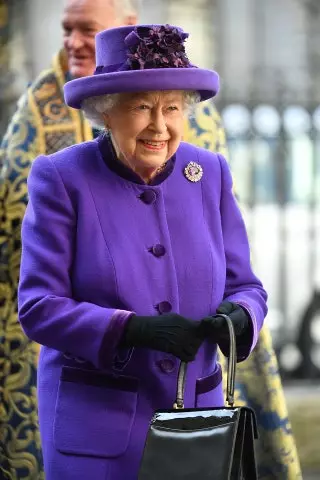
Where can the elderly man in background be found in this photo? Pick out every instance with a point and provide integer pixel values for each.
(43, 124)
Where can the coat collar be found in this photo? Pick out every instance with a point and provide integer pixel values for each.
(109, 157)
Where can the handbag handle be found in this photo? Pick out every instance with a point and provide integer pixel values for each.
(232, 361)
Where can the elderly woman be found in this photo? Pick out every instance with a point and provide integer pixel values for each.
(131, 244)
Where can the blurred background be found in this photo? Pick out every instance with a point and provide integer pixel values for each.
(267, 53)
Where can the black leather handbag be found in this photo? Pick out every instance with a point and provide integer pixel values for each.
(202, 444)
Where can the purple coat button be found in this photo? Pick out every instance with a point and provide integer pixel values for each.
(148, 196)
(158, 250)
(166, 365)
(164, 307)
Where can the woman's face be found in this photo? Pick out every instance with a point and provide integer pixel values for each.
(146, 129)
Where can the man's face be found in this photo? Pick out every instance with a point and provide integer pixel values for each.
(81, 21)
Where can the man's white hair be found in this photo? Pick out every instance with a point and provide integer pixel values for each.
(123, 8)
(126, 8)
(95, 107)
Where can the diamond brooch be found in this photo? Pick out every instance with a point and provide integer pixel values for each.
(193, 172)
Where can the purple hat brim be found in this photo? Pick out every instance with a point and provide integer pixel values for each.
(206, 82)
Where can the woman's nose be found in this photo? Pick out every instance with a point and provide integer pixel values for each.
(159, 122)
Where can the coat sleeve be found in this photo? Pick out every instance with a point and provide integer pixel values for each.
(47, 311)
(242, 286)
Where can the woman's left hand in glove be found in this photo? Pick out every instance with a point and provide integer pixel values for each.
(216, 327)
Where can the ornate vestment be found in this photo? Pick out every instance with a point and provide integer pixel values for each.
(43, 124)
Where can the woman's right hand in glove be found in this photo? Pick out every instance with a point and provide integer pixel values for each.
(170, 333)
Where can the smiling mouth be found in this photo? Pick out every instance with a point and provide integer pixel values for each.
(153, 145)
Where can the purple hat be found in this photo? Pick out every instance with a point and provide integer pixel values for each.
(141, 58)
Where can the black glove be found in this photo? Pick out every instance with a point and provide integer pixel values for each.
(169, 333)
(216, 327)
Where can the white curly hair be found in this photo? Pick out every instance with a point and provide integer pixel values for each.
(95, 107)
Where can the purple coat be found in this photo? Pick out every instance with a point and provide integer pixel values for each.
(97, 244)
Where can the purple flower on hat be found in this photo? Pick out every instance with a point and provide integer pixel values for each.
(157, 47)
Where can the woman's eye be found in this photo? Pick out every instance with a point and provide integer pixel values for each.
(172, 108)
(143, 107)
